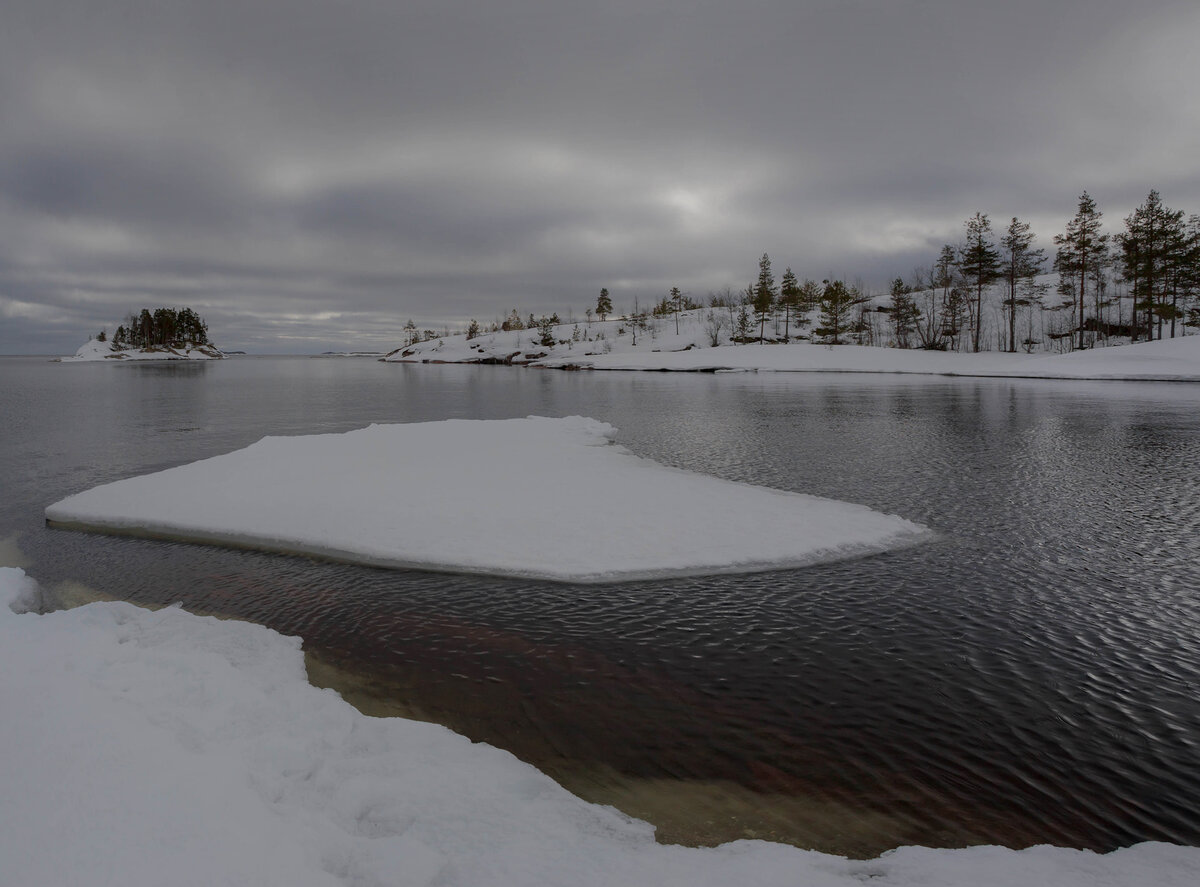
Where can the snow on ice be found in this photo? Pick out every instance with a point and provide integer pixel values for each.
(535, 497)
(147, 748)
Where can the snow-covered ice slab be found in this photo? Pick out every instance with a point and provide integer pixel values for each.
(536, 497)
(147, 748)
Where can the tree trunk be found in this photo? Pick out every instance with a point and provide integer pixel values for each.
(1082, 297)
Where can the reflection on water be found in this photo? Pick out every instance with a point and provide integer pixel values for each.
(1027, 678)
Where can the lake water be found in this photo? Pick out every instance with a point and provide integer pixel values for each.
(1029, 677)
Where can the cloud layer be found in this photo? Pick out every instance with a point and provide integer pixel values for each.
(310, 175)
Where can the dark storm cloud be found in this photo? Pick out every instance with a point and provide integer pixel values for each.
(309, 175)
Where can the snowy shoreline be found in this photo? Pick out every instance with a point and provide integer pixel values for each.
(159, 746)
(610, 346)
(96, 350)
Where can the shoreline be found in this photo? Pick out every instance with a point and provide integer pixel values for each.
(1164, 360)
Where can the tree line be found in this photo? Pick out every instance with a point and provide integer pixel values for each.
(1152, 266)
(993, 290)
(161, 327)
(1140, 283)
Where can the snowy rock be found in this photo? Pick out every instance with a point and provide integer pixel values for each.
(97, 350)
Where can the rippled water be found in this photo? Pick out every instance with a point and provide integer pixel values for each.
(1029, 677)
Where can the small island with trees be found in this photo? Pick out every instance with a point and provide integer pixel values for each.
(161, 334)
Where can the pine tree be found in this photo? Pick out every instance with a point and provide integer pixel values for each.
(473, 330)
(904, 313)
(764, 294)
(979, 263)
(808, 299)
(1022, 263)
(604, 305)
(942, 302)
(146, 328)
(676, 304)
(789, 297)
(837, 300)
(1189, 281)
(742, 324)
(1081, 249)
(1151, 252)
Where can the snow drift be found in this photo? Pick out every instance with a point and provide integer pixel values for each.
(148, 748)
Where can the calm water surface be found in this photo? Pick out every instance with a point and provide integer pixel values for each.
(1029, 677)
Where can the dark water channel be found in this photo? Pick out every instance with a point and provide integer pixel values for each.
(1032, 676)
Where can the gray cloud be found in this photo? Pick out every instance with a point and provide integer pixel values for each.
(310, 175)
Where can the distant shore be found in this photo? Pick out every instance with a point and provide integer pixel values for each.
(616, 345)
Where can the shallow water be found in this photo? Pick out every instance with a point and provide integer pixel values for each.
(1029, 677)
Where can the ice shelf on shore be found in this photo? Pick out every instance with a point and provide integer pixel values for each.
(146, 748)
(534, 497)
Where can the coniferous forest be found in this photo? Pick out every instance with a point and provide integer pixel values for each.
(162, 327)
(997, 289)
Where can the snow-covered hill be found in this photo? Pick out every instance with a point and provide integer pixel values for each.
(619, 345)
(94, 349)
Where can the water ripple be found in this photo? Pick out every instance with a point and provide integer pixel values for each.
(1029, 677)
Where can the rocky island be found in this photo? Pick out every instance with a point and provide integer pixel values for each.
(162, 334)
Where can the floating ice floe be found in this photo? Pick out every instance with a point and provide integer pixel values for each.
(536, 497)
(146, 748)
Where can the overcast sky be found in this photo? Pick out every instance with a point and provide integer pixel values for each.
(310, 175)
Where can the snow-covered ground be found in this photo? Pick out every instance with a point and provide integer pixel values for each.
(94, 349)
(610, 346)
(535, 497)
(150, 748)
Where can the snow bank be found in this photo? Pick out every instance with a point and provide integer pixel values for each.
(610, 346)
(536, 497)
(1168, 360)
(97, 350)
(147, 748)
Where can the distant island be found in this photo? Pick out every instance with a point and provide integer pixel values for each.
(161, 334)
